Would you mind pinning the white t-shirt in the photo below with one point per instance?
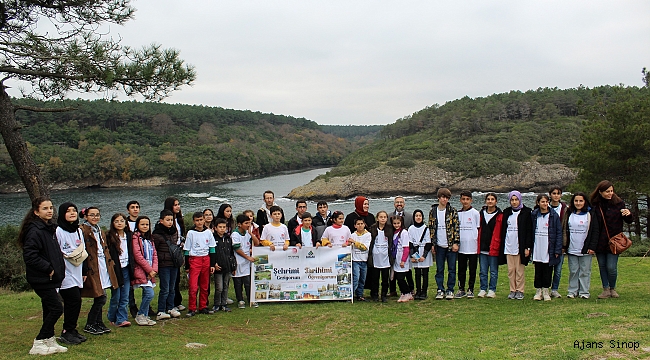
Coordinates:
(131, 224)
(198, 243)
(558, 209)
(415, 233)
(275, 234)
(512, 235)
(305, 237)
(578, 229)
(243, 265)
(380, 258)
(488, 216)
(403, 242)
(68, 242)
(442, 229)
(540, 250)
(470, 221)
(124, 256)
(358, 254)
(337, 237)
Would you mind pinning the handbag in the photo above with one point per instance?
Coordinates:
(619, 242)
(176, 252)
(78, 255)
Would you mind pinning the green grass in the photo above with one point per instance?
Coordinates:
(459, 329)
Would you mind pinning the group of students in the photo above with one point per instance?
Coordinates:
(66, 260)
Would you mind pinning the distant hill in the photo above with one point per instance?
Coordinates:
(353, 132)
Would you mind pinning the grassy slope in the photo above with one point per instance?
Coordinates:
(459, 329)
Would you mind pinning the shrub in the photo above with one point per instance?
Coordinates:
(12, 265)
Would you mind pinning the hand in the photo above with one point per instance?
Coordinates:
(527, 253)
(217, 267)
(212, 270)
(83, 278)
(272, 247)
(317, 245)
(285, 247)
(557, 256)
(251, 259)
(625, 212)
(51, 274)
(454, 248)
(187, 271)
(329, 245)
(299, 246)
(590, 252)
(401, 264)
(414, 260)
(421, 259)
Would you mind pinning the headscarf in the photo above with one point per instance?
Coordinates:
(518, 195)
(65, 224)
(417, 225)
(358, 206)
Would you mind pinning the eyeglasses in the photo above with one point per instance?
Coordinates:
(93, 215)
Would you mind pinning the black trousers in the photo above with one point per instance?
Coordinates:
(401, 282)
(463, 260)
(239, 282)
(52, 311)
(71, 307)
(374, 274)
(95, 313)
(422, 280)
(543, 275)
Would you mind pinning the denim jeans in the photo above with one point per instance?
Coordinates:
(607, 264)
(167, 275)
(491, 264)
(147, 296)
(120, 300)
(557, 273)
(445, 255)
(359, 270)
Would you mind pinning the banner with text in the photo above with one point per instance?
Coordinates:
(302, 274)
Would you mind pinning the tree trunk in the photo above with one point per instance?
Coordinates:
(27, 169)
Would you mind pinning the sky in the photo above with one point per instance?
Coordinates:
(373, 62)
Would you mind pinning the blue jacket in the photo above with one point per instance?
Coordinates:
(554, 235)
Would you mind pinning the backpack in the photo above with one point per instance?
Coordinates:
(176, 252)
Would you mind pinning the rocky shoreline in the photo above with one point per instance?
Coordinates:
(425, 179)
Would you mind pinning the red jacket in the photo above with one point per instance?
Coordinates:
(142, 268)
(494, 225)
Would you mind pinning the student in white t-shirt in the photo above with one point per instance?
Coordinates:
(276, 233)
(401, 241)
(241, 243)
(200, 259)
(547, 245)
(516, 242)
(337, 234)
(469, 220)
(423, 258)
(379, 259)
(360, 241)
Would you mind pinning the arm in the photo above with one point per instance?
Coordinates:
(244, 255)
(31, 249)
(137, 254)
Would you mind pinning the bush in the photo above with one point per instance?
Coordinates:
(11, 257)
(640, 247)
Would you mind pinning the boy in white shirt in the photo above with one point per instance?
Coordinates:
(241, 243)
(360, 241)
(469, 220)
(277, 234)
(200, 258)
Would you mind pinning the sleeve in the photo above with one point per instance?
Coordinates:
(325, 238)
(138, 256)
(557, 235)
(155, 258)
(455, 223)
(295, 239)
(427, 243)
(213, 256)
(187, 246)
(594, 233)
(495, 243)
(405, 241)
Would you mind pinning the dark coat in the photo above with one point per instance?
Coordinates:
(296, 238)
(42, 254)
(525, 234)
(321, 224)
(554, 235)
(160, 238)
(352, 217)
(614, 221)
(93, 284)
(224, 253)
(115, 254)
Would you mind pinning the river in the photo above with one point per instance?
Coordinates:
(241, 195)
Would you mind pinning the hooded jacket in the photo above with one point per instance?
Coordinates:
(42, 254)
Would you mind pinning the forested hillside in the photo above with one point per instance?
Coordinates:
(104, 140)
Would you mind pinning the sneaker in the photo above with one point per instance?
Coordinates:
(538, 295)
(570, 296)
(69, 338)
(42, 348)
(142, 320)
(546, 295)
(174, 313)
(163, 316)
(402, 298)
(190, 313)
(124, 324)
(482, 294)
(584, 297)
(180, 308)
(613, 294)
(606, 294)
(206, 311)
(79, 336)
(555, 294)
(519, 295)
(440, 295)
(91, 329)
(384, 299)
(133, 310)
(51, 342)
(229, 301)
(216, 308)
(491, 294)
(423, 295)
(450, 295)
(470, 294)
(460, 294)
(512, 294)
(100, 325)
(225, 309)
(150, 322)
(241, 305)
(256, 305)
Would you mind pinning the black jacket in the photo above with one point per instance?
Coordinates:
(321, 224)
(224, 253)
(524, 232)
(352, 217)
(42, 254)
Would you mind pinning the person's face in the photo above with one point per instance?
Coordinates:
(491, 201)
(543, 204)
(167, 221)
(556, 195)
(466, 201)
(339, 220)
(322, 209)
(359, 225)
(177, 207)
(93, 217)
(514, 201)
(143, 225)
(227, 212)
(207, 215)
(301, 208)
(269, 199)
(399, 204)
(250, 215)
(276, 216)
(608, 193)
(397, 223)
(306, 222)
(366, 205)
(245, 225)
(418, 218)
(199, 222)
(382, 218)
(134, 210)
(45, 210)
(443, 200)
(71, 214)
(221, 229)
(119, 223)
(579, 202)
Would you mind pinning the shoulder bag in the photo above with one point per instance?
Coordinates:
(619, 243)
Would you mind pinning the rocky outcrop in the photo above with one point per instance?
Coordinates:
(425, 179)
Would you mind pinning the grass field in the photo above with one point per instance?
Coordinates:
(459, 329)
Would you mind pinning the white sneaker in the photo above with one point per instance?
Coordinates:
(229, 301)
(538, 295)
(174, 313)
(256, 305)
(491, 294)
(481, 294)
(163, 316)
(241, 305)
(180, 308)
(141, 320)
(41, 348)
(546, 295)
(150, 322)
(402, 298)
(51, 342)
(555, 294)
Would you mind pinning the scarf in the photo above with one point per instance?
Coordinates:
(63, 223)
(417, 225)
(518, 195)
(336, 226)
(358, 206)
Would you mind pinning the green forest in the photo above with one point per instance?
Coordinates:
(104, 140)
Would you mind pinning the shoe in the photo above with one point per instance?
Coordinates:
(256, 305)
(69, 338)
(100, 325)
(216, 308)
(410, 297)
(133, 310)
(174, 313)
(538, 295)
(163, 316)
(91, 329)
(52, 344)
(423, 295)
(229, 301)
(151, 312)
(402, 299)
(512, 294)
(613, 294)
(180, 308)
(519, 295)
(79, 336)
(225, 309)
(584, 297)
(481, 294)
(124, 324)
(241, 305)
(142, 320)
(555, 294)
(491, 294)
(470, 294)
(190, 313)
(606, 294)
(150, 322)
(40, 347)
(570, 296)
(460, 294)
(450, 295)
(546, 295)
(206, 311)
(384, 299)
(440, 295)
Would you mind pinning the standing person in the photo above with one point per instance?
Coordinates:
(296, 220)
(489, 238)
(379, 259)
(120, 249)
(445, 233)
(145, 267)
(560, 208)
(224, 267)
(611, 213)
(45, 270)
(469, 220)
(547, 245)
(276, 233)
(422, 258)
(225, 212)
(322, 219)
(133, 210)
(200, 258)
(399, 203)
(361, 206)
(70, 239)
(172, 204)
(241, 243)
(164, 234)
(264, 212)
(580, 239)
(100, 273)
(208, 215)
(401, 241)
(305, 234)
(336, 235)
(516, 242)
(360, 241)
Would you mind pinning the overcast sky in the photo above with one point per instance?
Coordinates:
(372, 62)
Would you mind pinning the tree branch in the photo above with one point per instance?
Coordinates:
(39, 109)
